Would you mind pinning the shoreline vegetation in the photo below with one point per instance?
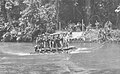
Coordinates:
(100, 35)
(88, 36)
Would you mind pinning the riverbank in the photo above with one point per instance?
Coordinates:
(96, 35)
(88, 36)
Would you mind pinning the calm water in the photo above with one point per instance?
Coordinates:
(95, 59)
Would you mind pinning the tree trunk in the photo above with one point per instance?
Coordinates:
(88, 11)
(9, 17)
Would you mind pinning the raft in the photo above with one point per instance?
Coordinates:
(54, 50)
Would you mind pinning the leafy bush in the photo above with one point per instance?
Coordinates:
(91, 35)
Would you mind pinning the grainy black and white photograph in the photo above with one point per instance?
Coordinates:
(59, 36)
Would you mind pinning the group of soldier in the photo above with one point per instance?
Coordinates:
(51, 41)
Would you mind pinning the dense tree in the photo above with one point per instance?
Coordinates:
(105, 10)
(28, 18)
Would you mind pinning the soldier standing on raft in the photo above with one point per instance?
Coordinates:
(36, 48)
(65, 40)
(41, 43)
(46, 41)
(52, 41)
(55, 42)
(49, 41)
(61, 40)
(37, 42)
(58, 41)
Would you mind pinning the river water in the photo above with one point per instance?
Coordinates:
(93, 58)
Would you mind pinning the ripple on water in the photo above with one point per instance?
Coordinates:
(104, 57)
